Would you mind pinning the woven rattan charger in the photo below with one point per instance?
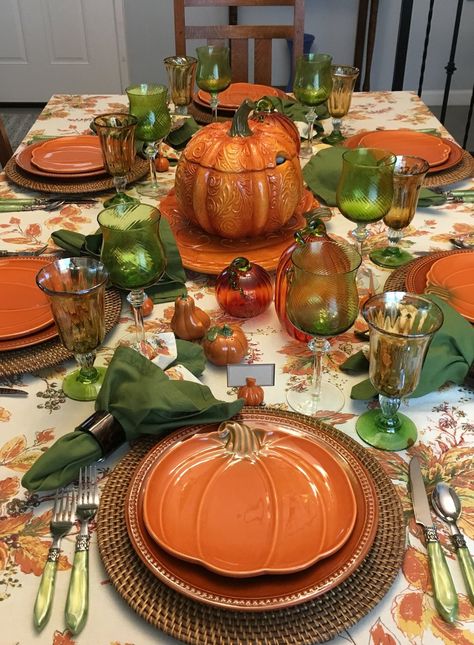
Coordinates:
(193, 622)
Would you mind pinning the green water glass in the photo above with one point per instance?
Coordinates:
(149, 103)
(311, 87)
(213, 73)
(133, 253)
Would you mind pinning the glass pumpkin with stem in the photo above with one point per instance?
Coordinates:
(213, 73)
(311, 87)
(322, 301)
(244, 289)
(408, 176)
(401, 328)
(149, 103)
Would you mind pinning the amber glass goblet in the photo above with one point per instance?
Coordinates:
(116, 132)
(322, 301)
(181, 75)
(149, 103)
(311, 87)
(76, 290)
(408, 177)
(213, 72)
(134, 255)
(339, 102)
(401, 328)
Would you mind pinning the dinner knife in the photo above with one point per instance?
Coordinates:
(9, 391)
(445, 596)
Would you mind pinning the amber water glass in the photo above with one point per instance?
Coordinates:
(181, 76)
(116, 132)
(76, 290)
(339, 102)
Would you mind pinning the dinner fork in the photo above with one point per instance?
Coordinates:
(61, 523)
(77, 603)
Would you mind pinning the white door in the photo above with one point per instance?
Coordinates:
(61, 47)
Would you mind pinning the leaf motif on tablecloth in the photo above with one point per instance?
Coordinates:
(9, 487)
(44, 436)
(451, 634)
(415, 569)
(5, 414)
(381, 635)
(410, 614)
(16, 455)
(39, 525)
(13, 525)
(33, 230)
(63, 638)
(31, 555)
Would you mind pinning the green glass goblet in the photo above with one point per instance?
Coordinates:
(149, 103)
(339, 102)
(311, 87)
(321, 301)
(134, 255)
(401, 328)
(213, 72)
(76, 290)
(116, 132)
(181, 75)
(408, 177)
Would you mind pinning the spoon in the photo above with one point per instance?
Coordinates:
(447, 506)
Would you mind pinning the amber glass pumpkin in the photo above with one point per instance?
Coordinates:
(315, 229)
(251, 392)
(244, 289)
(225, 344)
(240, 181)
(188, 321)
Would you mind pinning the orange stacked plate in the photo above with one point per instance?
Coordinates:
(452, 278)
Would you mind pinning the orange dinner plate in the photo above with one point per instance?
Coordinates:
(285, 505)
(236, 93)
(406, 142)
(24, 160)
(78, 154)
(452, 278)
(262, 592)
(455, 154)
(24, 308)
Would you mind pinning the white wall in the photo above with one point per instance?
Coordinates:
(150, 38)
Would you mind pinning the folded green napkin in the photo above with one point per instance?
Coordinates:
(169, 287)
(322, 172)
(143, 400)
(179, 138)
(448, 358)
(429, 198)
(297, 111)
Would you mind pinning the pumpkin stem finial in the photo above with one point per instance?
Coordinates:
(240, 122)
(240, 440)
(314, 225)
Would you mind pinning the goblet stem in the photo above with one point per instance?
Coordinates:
(336, 128)
(360, 233)
(120, 183)
(151, 150)
(319, 347)
(394, 237)
(307, 148)
(388, 417)
(182, 110)
(136, 298)
(214, 102)
(87, 372)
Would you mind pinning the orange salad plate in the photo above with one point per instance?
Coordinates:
(236, 93)
(78, 154)
(285, 505)
(24, 308)
(454, 157)
(24, 160)
(405, 142)
(266, 591)
(452, 278)
(211, 254)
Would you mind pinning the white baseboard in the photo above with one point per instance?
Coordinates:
(456, 97)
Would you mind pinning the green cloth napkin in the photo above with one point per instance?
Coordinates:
(179, 138)
(297, 112)
(429, 198)
(172, 283)
(144, 401)
(322, 172)
(449, 356)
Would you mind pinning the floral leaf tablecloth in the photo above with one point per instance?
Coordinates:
(445, 419)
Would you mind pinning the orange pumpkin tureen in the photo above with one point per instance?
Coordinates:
(245, 501)
(240, 180)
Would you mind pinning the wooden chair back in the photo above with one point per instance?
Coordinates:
(238, 36)
(5, 147)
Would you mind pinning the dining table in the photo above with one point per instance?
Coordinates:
(404, 611)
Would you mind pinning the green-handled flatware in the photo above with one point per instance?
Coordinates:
(61, 523)
(77, 603)
(447, 506)
(445, 596)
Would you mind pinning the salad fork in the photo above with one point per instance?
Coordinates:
(61, 523)
(77, 603)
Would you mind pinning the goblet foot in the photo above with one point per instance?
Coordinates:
(120, 198)
(330, 400)
(79, 388)
(334, 138)
(372, 430)
(391, 256)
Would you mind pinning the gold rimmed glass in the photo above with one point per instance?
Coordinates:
(181, 75)
(339, 102)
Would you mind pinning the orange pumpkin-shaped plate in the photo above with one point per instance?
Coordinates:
(452, 278)
(244, 501)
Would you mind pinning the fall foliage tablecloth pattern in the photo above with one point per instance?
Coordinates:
(445, 419)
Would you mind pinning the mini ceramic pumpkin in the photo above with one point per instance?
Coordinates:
(225, 344)
(240, 181)
(188, 321)
(251, 392)
(244, 289)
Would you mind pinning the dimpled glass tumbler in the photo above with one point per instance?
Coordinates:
(401, 328)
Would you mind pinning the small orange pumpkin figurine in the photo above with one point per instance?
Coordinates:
(225, 344)
(188, 321)
(251, 392)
